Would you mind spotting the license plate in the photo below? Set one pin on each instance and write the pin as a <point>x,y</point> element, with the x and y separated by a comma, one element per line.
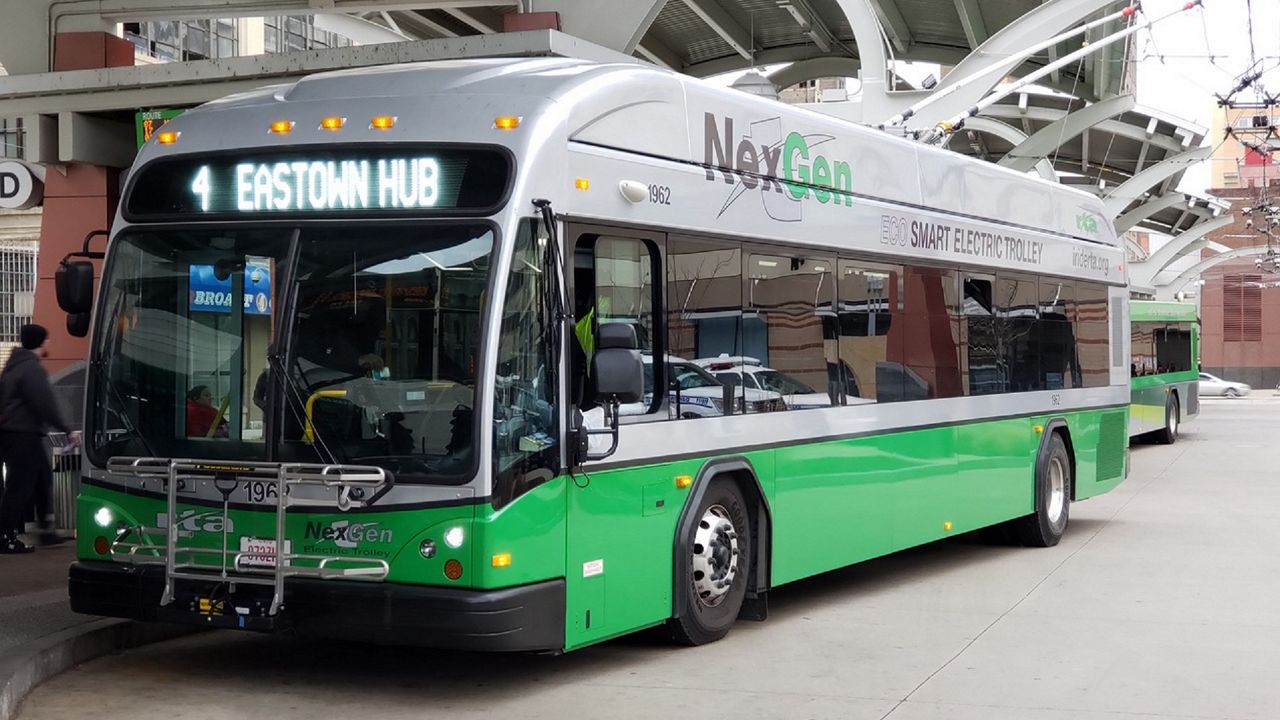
<point>260,552</point>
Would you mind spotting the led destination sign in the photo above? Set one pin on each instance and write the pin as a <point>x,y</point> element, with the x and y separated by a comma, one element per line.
<point>345,185</point>
<point>325,181</point>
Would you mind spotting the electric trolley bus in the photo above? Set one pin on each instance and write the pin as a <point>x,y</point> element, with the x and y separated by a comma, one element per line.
<point>416,354</point>
<point>1164,368</point>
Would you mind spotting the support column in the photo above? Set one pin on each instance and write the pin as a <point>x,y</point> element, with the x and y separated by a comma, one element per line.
<point>78,198</point>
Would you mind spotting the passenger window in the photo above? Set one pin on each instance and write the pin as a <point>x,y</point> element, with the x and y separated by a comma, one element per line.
<point>1059,366</point>
<point>704,321</point>
<point>613,280</point>
<point>985,370</point>
<point>1017,301</point>
<point>931,346</point>
<point>872,363</point>
<point>794,297</point>
<point>1142,349</point>
<point>1092,334</point>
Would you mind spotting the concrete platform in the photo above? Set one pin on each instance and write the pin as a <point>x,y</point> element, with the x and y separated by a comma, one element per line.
<point>1162,602</point>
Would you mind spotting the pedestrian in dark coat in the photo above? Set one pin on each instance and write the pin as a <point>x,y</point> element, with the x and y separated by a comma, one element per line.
<point>27,412</point>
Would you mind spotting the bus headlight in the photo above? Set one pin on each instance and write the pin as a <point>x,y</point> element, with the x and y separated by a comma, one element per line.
<point>454,536</point>
<point>104,517</point>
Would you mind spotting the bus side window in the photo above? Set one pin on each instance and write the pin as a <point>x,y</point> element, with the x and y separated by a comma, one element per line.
<point>1017,301</point>
<point>873,338</point>
<point>1059,366</point>
<point>986,372</point>
<point>614,283</point>
<point>1093,333</point>
<point>704,322</point>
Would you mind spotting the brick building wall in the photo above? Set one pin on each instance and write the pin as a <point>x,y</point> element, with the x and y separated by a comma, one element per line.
<point>1240,304</point>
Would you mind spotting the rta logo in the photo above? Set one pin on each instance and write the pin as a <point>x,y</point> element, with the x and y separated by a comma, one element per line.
<point>19,187</point>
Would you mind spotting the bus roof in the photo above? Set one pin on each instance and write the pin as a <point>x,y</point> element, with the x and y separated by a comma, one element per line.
<point>1160,310</point>
<point>638,109</point>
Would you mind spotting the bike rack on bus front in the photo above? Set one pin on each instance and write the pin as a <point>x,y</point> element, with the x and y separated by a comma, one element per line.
<point>352,486</point>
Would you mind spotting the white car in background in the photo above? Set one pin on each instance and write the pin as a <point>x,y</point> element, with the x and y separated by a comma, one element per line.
<point>700,393</point>
<point>748,372</point>
<point>1214,385</point>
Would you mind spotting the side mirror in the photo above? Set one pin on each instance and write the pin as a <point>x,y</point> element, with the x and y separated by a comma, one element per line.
<point>616,364</point>
<point>78,324</point>
<point>73,282</point>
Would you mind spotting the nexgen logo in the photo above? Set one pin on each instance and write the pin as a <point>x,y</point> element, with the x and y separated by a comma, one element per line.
<point>766,160</point>
<point>346,534</point>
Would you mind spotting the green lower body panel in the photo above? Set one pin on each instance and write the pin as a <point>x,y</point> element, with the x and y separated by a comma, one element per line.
<point>833,503</point>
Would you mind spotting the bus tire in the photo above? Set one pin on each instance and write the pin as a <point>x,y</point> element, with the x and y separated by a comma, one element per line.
<point>1168,435</point>
<point>719,567</point>
<point>1045,526</point>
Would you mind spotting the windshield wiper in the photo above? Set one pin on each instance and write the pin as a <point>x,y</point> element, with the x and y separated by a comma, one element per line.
<point>101,376</point>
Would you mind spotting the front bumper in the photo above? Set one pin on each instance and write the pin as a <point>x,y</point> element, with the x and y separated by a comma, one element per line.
<point>524,618</point>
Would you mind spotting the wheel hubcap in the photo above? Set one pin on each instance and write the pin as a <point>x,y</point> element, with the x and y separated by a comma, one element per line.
<point>715,556</point>
<point>1173,420</point>
<point>1057,490</point>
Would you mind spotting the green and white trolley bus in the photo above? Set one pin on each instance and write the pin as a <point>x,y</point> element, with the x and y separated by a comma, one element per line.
<point>1164,368</point>
<point>408,355</point>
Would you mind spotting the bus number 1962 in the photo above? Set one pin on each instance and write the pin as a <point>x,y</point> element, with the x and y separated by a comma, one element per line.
<point>659,194</point>
<point>260,491</point>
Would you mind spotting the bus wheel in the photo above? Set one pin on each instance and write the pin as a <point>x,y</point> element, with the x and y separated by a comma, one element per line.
<point>1044,527</point>
<point>1169,435</point>
<point>720,557</point>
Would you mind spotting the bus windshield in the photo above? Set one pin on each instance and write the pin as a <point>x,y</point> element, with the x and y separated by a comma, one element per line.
<point>363,339</point>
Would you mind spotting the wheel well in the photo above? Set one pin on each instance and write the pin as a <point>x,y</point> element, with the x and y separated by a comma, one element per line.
<point>761,528</point>
<point>1061,430</point>
<point>741,472</point>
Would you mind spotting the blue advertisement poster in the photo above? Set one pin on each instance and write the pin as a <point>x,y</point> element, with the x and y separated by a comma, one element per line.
<point>206,293</point>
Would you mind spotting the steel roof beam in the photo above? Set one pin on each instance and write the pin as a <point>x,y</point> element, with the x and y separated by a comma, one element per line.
<point>1116,127</point>
<point>1042,23</point>
<point>1013,136</point>
<point>719,20</point>
<point>1055,134</point>
<point>895,26</point>
<point>1174,283</point>
<point>483,21</point>
<point>975,28</point>
<point>418,22</point>
<point>1182,244</point>
<point>1133,188</point>
<point>810,22</point>
<point>814,68</point>
<point>658,53</point>
<point>1146,210</point>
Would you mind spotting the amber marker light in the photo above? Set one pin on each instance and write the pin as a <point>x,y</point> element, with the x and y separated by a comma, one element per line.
<point>382,122</point>
<point>946,526</point>
<point>332,123</point>
<point>453,569</point>
<point>506,122</point>
<point>282,127</point>
<point>1039,429</point>
<point>101,545</point>
<point>684,481</point>
<point>168,137</point>
<point>502,560</point>
<point>582,184</point>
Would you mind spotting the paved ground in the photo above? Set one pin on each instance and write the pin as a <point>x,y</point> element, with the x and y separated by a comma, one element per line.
<point>33,596</point>
<point>1160,603</point>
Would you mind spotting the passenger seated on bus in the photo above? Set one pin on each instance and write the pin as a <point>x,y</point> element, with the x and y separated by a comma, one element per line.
<point>201,413</point>
<point>374,367</point>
